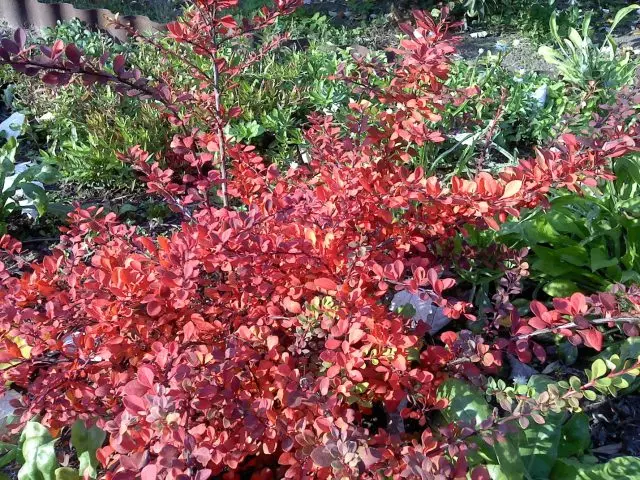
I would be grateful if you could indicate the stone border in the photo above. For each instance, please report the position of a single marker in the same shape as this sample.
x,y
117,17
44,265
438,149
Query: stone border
x,y
31,13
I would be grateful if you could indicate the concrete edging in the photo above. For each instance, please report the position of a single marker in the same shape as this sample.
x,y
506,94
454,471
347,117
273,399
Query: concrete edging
x,y
31,13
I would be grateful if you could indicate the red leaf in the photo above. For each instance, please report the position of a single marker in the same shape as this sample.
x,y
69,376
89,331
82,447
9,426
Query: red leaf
x,y
57,48
118,64
145,376
272,342
592,338
491,223
150,472
321,457
578,303
399,363
20,36
333,371
291,306
480,473
73,53
51,78
448,338
135,405
355,334
323,386
538,308
325,284
398,269
135,388
154,308
10,46
511,189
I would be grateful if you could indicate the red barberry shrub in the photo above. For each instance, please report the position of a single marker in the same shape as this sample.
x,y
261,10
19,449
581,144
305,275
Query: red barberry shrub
x,y
258,336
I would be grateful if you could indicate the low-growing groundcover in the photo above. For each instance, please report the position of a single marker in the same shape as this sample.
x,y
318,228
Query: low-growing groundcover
x,y
257,339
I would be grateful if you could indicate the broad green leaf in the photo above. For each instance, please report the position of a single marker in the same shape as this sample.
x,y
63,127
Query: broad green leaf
x,y
623,12
575,38
560,288
38,453
34,432
568,352
47,174
564,221
540,230
575,436
66,473
615,469
575,255
553,26
86,442
549,262
510,459
550,55
632,254
630,276
37,194
466,403
630,348
585,24
600,258
538,444
46,460
9,457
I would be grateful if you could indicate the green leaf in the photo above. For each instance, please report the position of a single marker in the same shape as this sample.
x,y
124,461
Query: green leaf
x,y
38,451
37,194
509,458
600,258
466,403
86,442
66,473
576,255
632,241
623,12
630,348
34,431
46,175
590,395
575,383
598,369
560,288
617,468
46,460
9,457
575,436
538,443
568,352
540,230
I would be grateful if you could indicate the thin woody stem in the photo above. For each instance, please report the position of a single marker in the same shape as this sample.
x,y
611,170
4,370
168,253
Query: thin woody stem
x,y
570,325
216,96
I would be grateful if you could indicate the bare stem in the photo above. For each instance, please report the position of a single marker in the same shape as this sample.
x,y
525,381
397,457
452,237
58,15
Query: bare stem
x,y
567,326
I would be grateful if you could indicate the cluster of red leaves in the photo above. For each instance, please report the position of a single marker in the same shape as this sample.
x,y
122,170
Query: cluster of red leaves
x,y
261,336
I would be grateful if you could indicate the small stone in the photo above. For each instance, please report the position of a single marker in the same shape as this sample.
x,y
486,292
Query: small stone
x,y
520,372
426,312
7,410
12,126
